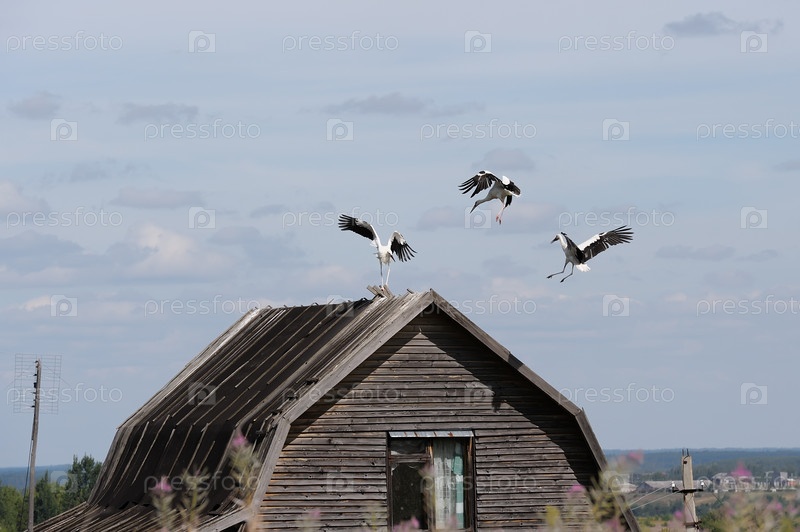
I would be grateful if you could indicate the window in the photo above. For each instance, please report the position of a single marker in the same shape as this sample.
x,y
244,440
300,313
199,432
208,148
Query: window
x,y
430,479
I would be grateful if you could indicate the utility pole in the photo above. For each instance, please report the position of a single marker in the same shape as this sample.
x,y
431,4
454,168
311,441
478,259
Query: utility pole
x,y
32,480
689,513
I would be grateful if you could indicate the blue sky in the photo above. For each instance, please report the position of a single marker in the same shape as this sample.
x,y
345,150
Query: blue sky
x,y
167,166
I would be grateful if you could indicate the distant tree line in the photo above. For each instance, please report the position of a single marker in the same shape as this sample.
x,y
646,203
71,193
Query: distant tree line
x,y
52,497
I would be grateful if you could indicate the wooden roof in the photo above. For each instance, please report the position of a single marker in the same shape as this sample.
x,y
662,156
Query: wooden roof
x,y
260,375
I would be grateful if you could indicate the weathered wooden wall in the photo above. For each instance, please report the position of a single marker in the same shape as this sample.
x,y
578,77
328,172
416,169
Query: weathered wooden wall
x,y
431,376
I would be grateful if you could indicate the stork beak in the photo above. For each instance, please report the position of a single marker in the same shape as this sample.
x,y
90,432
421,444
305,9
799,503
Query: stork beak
x,y
554,239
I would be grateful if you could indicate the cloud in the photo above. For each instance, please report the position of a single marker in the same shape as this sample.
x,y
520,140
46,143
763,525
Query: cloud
x,y
440,217
714,253
157,198
13,201
715,23
504,160
267,210
761,256
397,104
729,280
163,113
30,251
261,249
788,166
105,169
41,106
151,251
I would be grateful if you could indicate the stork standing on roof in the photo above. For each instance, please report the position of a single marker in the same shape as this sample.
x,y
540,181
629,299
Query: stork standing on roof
x,y
397,244
578,255
502,188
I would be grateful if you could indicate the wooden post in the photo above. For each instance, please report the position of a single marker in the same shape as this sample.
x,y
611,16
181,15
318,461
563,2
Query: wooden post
x,y
35,437
689,512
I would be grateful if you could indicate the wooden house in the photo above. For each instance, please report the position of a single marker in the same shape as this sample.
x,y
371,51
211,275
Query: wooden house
x,y
365,413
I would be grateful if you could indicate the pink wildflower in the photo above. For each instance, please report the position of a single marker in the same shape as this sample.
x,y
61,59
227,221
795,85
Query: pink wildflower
x,y
239,440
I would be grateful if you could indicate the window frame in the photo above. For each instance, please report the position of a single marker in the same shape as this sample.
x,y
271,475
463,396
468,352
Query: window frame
x,y
428,437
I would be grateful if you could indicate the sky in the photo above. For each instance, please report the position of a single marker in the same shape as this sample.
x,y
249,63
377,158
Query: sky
x,y
167,166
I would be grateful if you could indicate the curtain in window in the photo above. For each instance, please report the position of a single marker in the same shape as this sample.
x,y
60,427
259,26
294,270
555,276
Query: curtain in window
x,y
448,493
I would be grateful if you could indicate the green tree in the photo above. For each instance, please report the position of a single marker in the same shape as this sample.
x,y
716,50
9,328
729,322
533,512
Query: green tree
x,y
10,509
81,478
48,499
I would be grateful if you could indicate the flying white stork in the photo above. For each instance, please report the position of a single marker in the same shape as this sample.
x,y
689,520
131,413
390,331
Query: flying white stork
x,y
397,244
502,188
578,255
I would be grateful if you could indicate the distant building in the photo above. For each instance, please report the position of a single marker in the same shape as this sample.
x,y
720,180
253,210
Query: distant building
x,y
345,405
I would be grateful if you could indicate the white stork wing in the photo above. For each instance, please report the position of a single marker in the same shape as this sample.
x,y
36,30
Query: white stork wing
x,y
400,247
348,223
480,182
511,187
602,241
